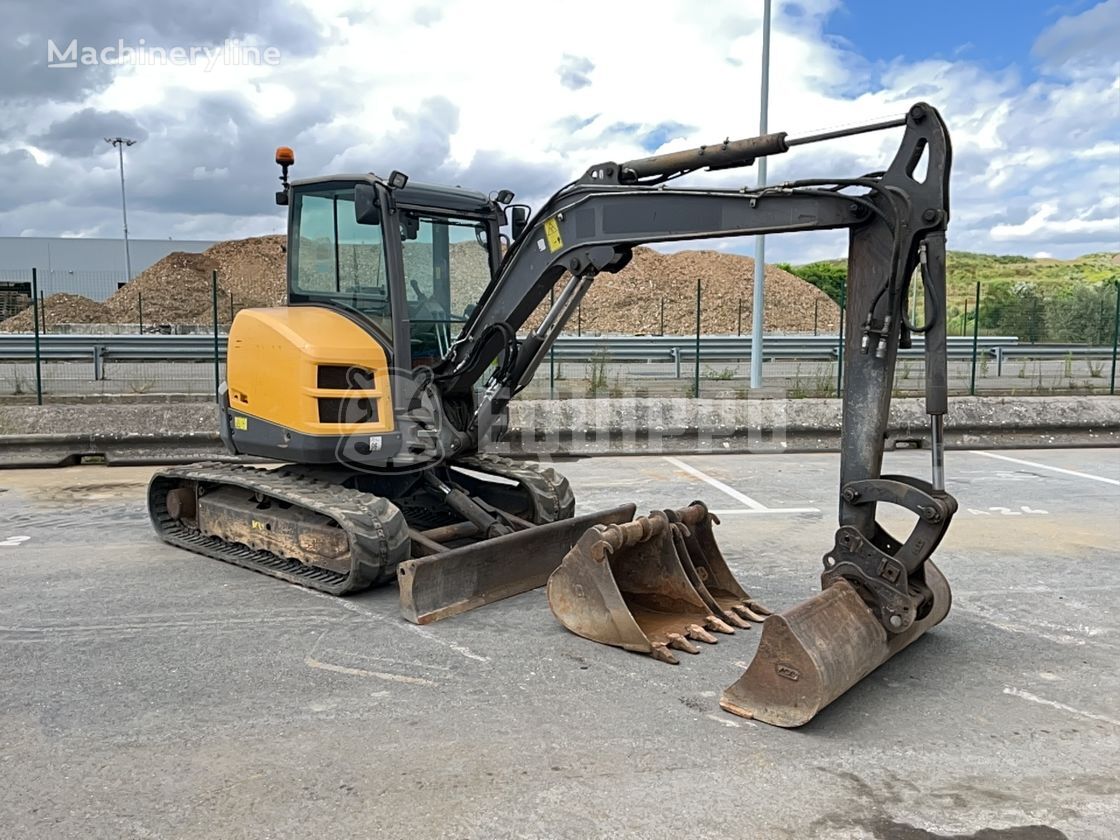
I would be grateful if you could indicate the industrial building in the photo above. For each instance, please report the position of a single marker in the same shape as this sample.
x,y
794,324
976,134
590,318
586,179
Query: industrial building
x,y
93,268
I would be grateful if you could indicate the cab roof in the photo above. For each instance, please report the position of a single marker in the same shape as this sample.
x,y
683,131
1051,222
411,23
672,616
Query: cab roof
x,y
415,193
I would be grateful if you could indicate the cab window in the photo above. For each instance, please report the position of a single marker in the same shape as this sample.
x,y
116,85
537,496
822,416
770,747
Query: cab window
x,y
446,270
335,260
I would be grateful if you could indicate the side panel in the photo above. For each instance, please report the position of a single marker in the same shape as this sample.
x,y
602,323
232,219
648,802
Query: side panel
x,y
310,370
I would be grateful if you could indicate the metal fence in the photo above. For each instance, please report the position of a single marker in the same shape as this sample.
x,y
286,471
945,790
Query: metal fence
x,y
1001,342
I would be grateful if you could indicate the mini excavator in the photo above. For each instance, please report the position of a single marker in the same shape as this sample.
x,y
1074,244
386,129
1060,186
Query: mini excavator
x,y
380,384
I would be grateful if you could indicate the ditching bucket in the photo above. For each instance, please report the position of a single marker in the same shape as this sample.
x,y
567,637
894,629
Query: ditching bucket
x,y
635,586
815,651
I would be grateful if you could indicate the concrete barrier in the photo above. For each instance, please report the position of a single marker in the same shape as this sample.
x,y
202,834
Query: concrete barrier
x,y
55,435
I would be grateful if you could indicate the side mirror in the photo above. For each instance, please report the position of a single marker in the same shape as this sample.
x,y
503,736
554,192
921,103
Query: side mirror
x,y
366,211
519,220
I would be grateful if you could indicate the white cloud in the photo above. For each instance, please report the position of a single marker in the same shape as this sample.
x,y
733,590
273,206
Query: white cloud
x,y
1043,223
491,95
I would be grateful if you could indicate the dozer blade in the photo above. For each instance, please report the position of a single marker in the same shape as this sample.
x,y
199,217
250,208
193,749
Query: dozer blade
x,y
459,579
815,651
713,577
627,585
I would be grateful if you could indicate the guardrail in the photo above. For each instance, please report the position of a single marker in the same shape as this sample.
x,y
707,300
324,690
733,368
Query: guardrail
x,y
675,349
99,349
730,347
1043,352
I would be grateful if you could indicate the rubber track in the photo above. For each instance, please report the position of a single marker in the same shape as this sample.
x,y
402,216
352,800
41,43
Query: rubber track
x,y
375,526
550,491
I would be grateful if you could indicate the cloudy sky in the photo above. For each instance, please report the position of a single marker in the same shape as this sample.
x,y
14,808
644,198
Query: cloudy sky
x,y
526,96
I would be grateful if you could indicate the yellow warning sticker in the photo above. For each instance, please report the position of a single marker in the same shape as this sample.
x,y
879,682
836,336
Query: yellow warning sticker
x,y
240,423
258,525
552,234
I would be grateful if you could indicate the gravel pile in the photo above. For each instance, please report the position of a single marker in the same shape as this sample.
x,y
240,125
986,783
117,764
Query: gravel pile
x,y
629,302
58,309
176,290
253,269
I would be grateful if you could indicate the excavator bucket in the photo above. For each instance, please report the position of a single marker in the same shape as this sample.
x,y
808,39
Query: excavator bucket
x,y
713,577
815,651
636,586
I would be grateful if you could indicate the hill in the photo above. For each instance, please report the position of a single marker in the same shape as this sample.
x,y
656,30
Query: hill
x,y
1037,299
964,268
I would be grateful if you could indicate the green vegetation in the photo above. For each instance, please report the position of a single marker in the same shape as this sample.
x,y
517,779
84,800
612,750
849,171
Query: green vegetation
x,y
1038,300
719,375
829,276
597,380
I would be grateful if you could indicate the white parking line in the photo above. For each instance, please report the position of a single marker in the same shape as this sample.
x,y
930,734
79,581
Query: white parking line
x,y
1046,467
716,483
753,506
1034,698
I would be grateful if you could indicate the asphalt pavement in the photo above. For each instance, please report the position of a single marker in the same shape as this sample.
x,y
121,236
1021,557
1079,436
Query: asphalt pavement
x,y
148,692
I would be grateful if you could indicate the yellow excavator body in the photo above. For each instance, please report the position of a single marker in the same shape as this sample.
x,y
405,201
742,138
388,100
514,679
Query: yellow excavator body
x,y
294,366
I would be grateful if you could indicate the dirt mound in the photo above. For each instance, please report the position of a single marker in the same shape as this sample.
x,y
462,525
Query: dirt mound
x,y
629,302
61,308
253,269
176,290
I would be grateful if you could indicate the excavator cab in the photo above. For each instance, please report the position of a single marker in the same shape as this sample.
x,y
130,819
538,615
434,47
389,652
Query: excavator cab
x,y
380,280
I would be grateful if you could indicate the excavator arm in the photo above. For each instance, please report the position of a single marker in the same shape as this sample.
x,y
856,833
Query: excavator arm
x,y
880,592
897,220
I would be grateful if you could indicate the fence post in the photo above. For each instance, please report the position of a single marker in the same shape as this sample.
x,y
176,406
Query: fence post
x,y
1115,335
140,309
38,352
816,307
231,307
739,323
579,319
840,349
964,317
43,310
214,307
975,339
663,316
696,379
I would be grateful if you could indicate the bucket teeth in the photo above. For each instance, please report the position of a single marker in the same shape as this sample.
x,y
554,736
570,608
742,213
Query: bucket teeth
x,y
695,631
749,614
761,609
654,585
736,620
718,625
679,642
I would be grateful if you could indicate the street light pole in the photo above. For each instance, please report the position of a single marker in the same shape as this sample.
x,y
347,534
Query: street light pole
x,y
757,312
120,143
